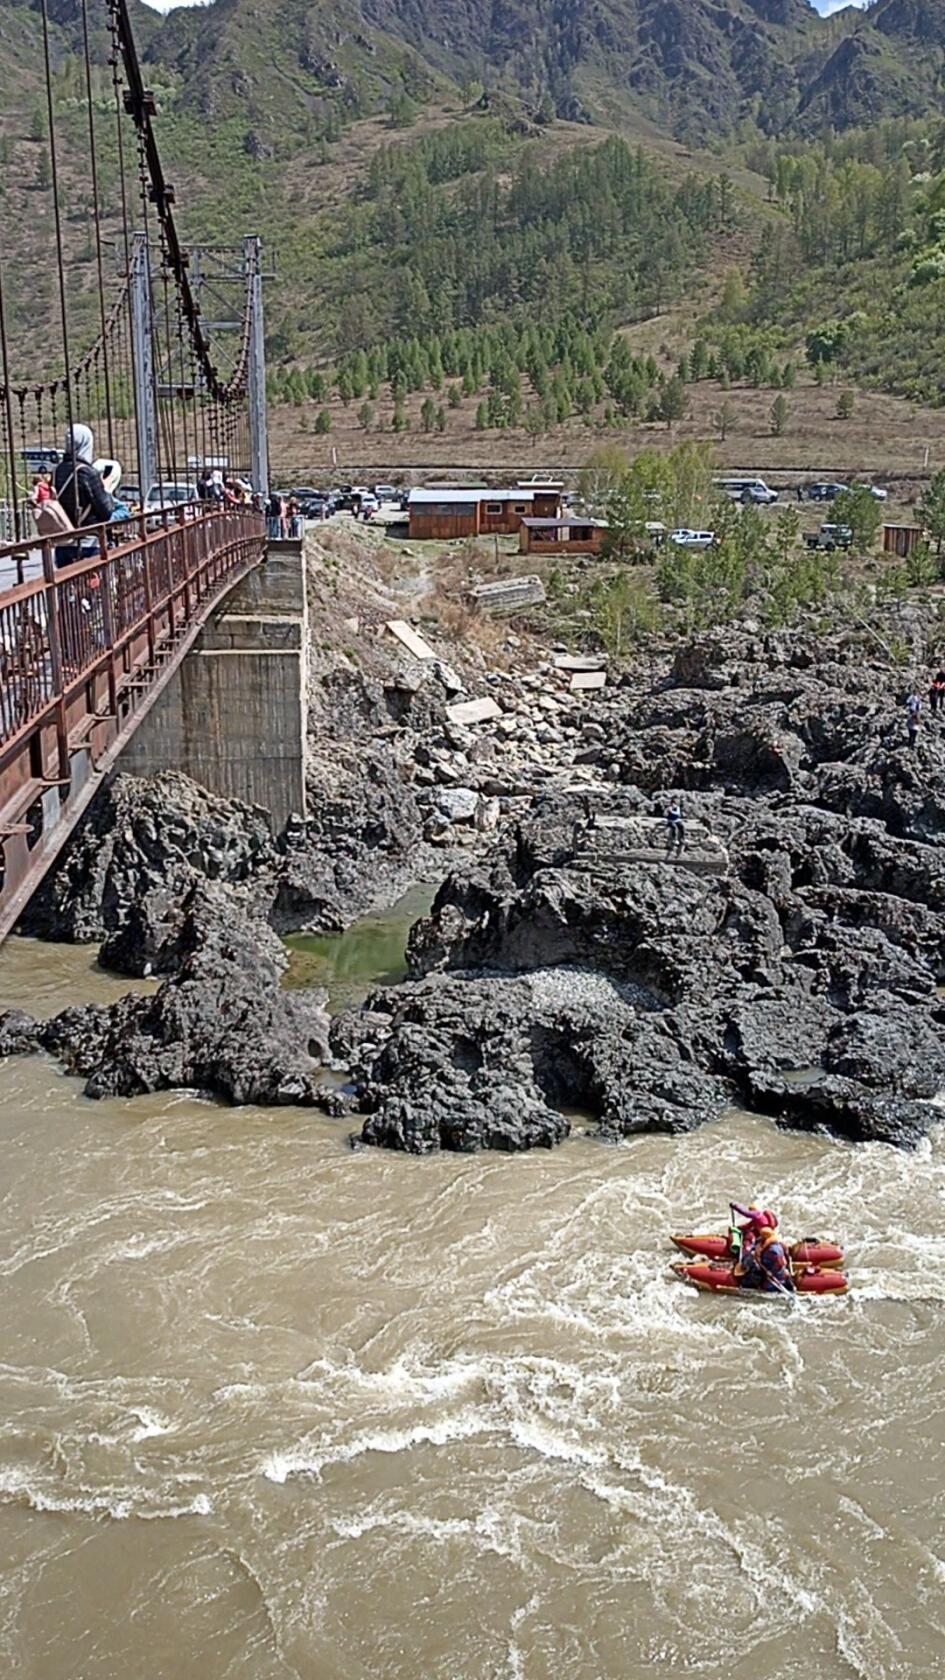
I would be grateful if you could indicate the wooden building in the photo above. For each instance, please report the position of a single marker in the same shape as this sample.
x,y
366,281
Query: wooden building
x,y
562,534
444,514
902,540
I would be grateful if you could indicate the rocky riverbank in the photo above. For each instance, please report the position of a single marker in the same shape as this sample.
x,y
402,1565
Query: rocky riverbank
x,y
803,981
789,961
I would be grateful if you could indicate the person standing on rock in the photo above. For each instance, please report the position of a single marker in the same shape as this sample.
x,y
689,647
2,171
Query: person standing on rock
x,y
913,716
676,831
937,693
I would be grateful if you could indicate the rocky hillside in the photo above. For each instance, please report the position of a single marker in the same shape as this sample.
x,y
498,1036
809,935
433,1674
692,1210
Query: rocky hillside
x,y
692,67
695,68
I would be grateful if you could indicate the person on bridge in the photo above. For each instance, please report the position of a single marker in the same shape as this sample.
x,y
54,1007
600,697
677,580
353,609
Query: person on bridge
x,y
274,514
81,494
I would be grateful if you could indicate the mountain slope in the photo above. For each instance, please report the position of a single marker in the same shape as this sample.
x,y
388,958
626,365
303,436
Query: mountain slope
x,y
697,68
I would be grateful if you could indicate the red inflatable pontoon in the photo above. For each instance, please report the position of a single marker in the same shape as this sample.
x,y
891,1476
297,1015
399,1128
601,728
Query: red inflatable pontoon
x,y
714,1246
719,1275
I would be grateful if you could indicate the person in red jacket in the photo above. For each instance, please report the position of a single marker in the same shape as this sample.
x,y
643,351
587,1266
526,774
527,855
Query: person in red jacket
x,y
742,1235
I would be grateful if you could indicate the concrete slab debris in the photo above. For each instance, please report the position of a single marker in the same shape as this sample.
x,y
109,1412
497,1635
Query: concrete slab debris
x,y
473,711
580,661
606,842
406,634
589,679
508,595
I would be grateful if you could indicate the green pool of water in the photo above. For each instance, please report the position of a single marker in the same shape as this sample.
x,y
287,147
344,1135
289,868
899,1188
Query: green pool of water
x,y
371,952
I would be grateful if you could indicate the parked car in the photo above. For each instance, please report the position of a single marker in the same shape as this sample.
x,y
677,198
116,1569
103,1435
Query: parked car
x,y
312,505
825,492
385,493
877,491
684,538
747,490
829,537
168,497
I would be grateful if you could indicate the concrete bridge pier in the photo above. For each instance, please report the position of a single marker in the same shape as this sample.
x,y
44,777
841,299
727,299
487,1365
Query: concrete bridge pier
x,y
233,717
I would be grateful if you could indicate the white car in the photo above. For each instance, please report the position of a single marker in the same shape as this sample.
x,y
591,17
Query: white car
x,y
161,496
684,538
878,492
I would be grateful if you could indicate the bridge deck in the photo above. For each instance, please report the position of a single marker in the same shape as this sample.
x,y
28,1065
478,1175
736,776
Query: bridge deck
x,y
84,652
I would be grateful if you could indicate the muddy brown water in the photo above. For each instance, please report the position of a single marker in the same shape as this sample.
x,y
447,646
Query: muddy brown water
x,y
274,1410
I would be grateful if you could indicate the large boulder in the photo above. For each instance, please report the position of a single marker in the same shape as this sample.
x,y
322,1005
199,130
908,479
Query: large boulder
x,y
221,1023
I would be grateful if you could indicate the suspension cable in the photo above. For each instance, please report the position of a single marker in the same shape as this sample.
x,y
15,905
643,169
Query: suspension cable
x,y
54,169
96,208
8,408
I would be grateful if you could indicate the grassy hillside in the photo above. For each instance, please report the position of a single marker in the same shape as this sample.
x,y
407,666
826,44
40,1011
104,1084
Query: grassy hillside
x,y
454,259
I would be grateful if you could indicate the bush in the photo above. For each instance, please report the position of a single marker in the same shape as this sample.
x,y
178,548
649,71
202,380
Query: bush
x,y
623,610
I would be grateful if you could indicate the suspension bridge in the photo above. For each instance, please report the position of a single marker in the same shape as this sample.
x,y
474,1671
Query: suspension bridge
x,y
95,627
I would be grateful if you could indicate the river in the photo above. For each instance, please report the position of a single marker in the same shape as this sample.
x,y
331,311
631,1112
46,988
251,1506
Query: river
x,y
276,1410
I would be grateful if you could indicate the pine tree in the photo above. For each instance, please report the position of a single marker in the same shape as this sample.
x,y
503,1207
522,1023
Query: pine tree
x,y
672,402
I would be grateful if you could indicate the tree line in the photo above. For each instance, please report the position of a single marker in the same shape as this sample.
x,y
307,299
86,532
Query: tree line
x,y
452,274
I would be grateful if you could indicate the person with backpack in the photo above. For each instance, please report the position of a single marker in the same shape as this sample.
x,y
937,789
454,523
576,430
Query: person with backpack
x,y
81,497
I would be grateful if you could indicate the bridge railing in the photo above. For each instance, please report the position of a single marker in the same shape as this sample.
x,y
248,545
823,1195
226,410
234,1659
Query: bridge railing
x,y
84,649
61,624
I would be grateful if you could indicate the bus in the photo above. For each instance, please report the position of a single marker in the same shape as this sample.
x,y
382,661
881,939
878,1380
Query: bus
x,y
746,490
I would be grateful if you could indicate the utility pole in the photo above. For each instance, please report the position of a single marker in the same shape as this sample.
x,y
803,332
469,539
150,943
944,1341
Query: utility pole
x,y
258,436
143,357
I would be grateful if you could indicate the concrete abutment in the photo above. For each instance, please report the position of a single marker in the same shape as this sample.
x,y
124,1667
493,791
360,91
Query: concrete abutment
x,y
233,718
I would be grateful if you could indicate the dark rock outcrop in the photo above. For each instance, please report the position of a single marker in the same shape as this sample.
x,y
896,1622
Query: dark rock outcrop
x,y
803,983
222,1023
144,847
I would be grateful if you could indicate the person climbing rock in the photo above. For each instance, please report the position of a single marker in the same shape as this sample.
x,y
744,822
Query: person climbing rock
x,y
675,831
913,716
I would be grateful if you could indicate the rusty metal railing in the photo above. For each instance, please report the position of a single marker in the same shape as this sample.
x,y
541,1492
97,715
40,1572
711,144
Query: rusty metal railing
x,y
85,648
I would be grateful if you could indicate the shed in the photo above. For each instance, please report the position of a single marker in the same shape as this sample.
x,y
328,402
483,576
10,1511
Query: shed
x,y
562,535
902,540
444,513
